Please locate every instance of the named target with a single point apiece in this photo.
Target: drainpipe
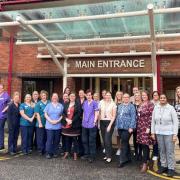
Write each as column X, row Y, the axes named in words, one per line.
column 11, row 47
column 158, row 59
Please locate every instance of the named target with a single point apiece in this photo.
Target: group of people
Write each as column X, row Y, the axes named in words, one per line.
column 76, row 123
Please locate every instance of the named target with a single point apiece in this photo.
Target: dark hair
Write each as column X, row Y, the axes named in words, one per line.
column 146, row 92
column 81, row 90
column 163, row 94
column 155, row 92
column 66, row 89
column 89, row 91
column 109, row 92
column 103, row 90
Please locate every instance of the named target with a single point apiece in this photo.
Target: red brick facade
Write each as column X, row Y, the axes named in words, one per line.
column 26, row 64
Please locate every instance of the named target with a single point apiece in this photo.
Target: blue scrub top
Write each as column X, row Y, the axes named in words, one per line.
column 54, row 113
column 29, row 111
column 39, row 108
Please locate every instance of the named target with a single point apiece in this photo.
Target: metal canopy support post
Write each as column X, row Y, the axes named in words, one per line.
column 39, row 35
column 55, row 60
column 69, row 41
column 153, row 45
column 65, row 74
column 50, row 48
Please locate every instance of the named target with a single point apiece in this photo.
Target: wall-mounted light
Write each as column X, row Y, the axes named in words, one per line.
column 106, row 52
column 82, row 52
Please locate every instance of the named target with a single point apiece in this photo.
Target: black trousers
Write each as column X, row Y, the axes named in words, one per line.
column 137, row 147
column 107, row 137
column 89, row 141
column 179, row 136
column 146, row 152
column 69, row 141
column 125, row 147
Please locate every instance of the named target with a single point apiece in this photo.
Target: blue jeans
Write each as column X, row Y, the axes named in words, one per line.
column 2, row 124
column 52, row 143
column 26, row 138
column 89, row 141
column 41, row 139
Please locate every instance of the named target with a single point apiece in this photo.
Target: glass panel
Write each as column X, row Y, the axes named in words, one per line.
column 28, row 87
column 167, row 23
column 104, row 84
column 126, row 85
column 137, row 25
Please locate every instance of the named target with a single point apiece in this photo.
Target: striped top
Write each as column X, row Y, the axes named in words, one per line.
column 177, row 108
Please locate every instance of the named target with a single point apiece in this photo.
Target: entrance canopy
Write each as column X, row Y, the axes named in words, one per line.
column 127, row 19
column 95, row 22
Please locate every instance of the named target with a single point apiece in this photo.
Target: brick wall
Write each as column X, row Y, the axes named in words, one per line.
column 170, row 65
column 26, row 64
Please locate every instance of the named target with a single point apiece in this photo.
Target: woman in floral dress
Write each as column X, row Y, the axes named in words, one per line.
column 143, row 128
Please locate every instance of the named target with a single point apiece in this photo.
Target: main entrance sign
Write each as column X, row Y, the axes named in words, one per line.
column 110, row 63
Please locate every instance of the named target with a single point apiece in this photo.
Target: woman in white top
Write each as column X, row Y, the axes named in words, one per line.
column 107, row 110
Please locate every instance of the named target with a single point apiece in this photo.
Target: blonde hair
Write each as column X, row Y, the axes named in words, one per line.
column 56, row 95
column 44, row 92
column 16, row 93
column 176, row 95
column 116, row 100
column 138, row 93
column 32, row 104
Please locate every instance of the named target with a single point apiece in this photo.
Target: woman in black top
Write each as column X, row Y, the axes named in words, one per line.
column 71, row 128
column 137, row 147
column 13, row 117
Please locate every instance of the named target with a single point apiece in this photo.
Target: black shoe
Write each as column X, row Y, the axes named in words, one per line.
column 85, row 157
column 48, row 156
column 140, row 158
column 162, row 170
column 91, row 160
column 121, row 165
column 170, row 173
column 12, row 153
column 55, row 155
column 41, row 153
column 2, row 148
column 136, row 157
column 178, row 162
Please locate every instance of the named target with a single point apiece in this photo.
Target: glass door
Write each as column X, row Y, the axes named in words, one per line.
column 126, row 85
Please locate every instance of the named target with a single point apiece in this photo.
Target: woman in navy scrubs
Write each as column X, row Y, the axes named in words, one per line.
column 13, row 119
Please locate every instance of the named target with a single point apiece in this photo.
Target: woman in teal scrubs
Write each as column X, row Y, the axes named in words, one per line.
column 41, row 121
column 26, row 123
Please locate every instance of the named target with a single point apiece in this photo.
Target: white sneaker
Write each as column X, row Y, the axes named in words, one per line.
column 105, row 158
column 155, row 158
column 118, row 152
column 108, row 160
column 104, row 151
